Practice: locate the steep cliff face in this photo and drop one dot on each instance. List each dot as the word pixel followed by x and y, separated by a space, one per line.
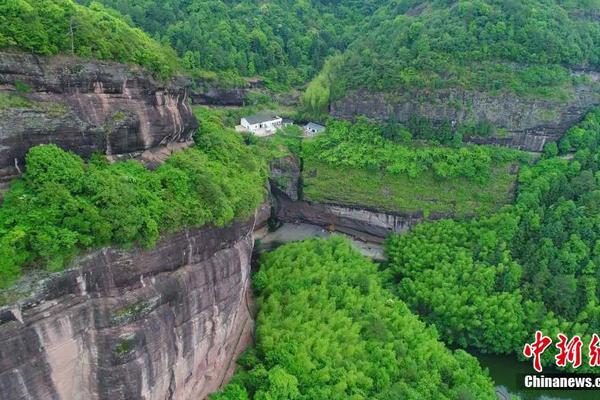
pixel 165 323
pixel 85 106
pixel 368 225
pixel 525 123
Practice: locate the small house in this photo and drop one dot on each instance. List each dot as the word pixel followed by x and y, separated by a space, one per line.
pixel 264 123
pixel 312 129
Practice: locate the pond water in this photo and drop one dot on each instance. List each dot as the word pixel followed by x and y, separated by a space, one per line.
pixel 504 370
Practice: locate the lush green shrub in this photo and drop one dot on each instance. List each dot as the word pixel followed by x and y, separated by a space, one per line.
pixel 364 145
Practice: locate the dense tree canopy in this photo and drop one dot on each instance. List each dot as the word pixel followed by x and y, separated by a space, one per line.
pixel 327 329
pixel 523 46
pixel 63 205
pixel 61 26
pixel 491 282
pixel 284 40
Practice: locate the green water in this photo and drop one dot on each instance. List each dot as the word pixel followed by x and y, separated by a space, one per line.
pixel 505 371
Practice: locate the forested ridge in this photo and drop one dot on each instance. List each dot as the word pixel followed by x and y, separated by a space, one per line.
pixel 51 27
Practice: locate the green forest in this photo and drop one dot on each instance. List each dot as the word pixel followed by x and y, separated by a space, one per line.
pixel 61 26
pixel 490 282
pixel 328 329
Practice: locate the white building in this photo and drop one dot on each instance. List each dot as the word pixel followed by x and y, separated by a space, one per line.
pixel 312 129
pixel 264 123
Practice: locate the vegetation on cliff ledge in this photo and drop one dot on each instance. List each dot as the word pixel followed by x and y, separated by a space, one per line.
pixel 62 26
pixel 63 205
pixel 327 329
pixel 365 164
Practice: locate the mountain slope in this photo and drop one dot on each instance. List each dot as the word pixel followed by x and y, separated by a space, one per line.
pixel 522 72
pixel 285 41
pixel 61 26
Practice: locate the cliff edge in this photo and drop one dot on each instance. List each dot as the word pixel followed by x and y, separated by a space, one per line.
pixel 165 323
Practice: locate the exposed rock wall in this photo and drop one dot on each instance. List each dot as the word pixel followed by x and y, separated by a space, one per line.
pixel 364 224
pixel 526 123
pixel 219 97
pixel 286 176
pixel 249 93
pixel 164 323
pixel 86 106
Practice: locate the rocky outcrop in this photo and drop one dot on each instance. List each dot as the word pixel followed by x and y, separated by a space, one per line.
pixel 286 176
pixel 522 122
pixel 252 92
pixel 212 93
pixel 215 96
pixel 163 323
pixel 367 225
pixel 86 106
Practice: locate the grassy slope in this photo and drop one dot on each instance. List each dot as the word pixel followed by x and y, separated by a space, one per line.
pixel 399 193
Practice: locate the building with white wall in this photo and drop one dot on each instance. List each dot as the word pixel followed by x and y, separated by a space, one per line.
pixel 264 123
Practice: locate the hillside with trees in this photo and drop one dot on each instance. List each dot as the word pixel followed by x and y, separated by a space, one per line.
pixel 524 47
pixel 51 27
pixel 284 41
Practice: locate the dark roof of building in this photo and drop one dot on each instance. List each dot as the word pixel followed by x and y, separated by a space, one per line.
pixel 314 127
pixel 260 117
